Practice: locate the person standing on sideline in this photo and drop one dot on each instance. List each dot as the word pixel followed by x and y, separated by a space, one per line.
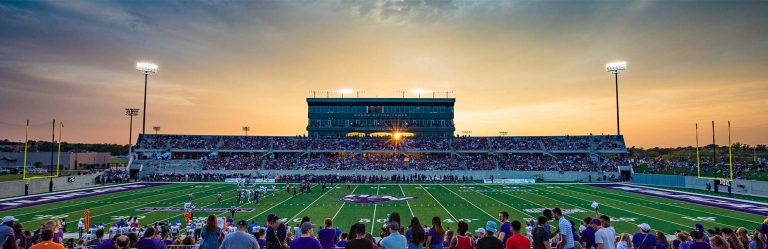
pixel 565 228
pixel 517 240
pixel 505 231
pixel 240 239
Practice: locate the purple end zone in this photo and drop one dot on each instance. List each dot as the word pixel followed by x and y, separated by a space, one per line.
pixel 751 207
pixel 29 201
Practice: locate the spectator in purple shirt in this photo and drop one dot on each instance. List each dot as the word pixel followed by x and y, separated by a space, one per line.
pixel 644 239
pixel 327 235
pixel 150 241
pixel 505 231
pixel 343 242
pixel 435 234
pixel 588 235
pixel 698 241
pixel 307 239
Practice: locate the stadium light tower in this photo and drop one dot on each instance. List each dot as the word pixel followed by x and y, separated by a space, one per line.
pixel 146 69
pixel 615 68
pixel 131 112
pixel 246 129
pixel 418 92
pixel 156 129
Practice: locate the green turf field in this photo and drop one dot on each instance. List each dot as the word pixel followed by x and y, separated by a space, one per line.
pixel 449 202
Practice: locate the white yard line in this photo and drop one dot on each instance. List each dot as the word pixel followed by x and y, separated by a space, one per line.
pixel 630 203
pixel 681 202
pixel 146 213
pixel 342 205
pixel 313 203
pixel 373 220
pixel 438 202
pixel 406 201
pixel 537 204
pixel 94 201
pixel 462 197
pixel 616 208
pixel 518 210
pixel 270 208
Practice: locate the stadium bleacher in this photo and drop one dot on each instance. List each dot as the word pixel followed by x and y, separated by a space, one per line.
pixel 553 153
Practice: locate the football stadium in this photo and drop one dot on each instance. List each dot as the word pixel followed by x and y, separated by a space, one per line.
pixel 492 156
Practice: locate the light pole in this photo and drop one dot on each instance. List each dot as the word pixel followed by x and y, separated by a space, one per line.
pixel 146 69
pixel 615 68
pixel 503 133
pixel 156 129
pixel 246 129
pixel 130 112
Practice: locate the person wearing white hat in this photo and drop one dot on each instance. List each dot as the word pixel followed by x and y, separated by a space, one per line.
pixel 644 239
pixel 6 229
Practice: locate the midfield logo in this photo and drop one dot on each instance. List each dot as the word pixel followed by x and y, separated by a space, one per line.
pixel 373 199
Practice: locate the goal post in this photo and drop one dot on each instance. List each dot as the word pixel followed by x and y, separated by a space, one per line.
pixel 30 172
pixel 716 177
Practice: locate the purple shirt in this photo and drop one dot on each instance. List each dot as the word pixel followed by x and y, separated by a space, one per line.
pixel 305 243
pixel 145 243
pixel 700 245
pixel 106 244
pixel 342 243
pixel 436 238
pixel 327 237
pixel 763 228
pixel 506 228
pixel 644 241
pixel 588 236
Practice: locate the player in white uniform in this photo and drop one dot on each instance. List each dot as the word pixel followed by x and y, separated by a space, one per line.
pixel 80 227
pixel 175 229
pixel 112 230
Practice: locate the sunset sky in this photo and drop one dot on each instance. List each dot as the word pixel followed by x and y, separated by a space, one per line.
pixel 526 67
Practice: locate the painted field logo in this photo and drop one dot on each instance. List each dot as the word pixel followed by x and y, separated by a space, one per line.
pixel 373 199
pixel 565 211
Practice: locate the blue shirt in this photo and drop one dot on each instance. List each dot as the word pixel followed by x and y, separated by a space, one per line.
pixel 394 241
pixel 566 230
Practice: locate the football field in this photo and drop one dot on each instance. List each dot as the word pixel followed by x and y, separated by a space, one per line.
pixel 370 204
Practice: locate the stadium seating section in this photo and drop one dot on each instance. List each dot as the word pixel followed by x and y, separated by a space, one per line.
pixel 524 153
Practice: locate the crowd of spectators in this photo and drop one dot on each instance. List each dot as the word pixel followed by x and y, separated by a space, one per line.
pixel 551 229
pixel 417 161
pixel 113 176
pixel 465 143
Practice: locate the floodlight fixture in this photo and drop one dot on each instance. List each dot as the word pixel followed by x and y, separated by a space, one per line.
pixel 614 68
pixel 146 67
